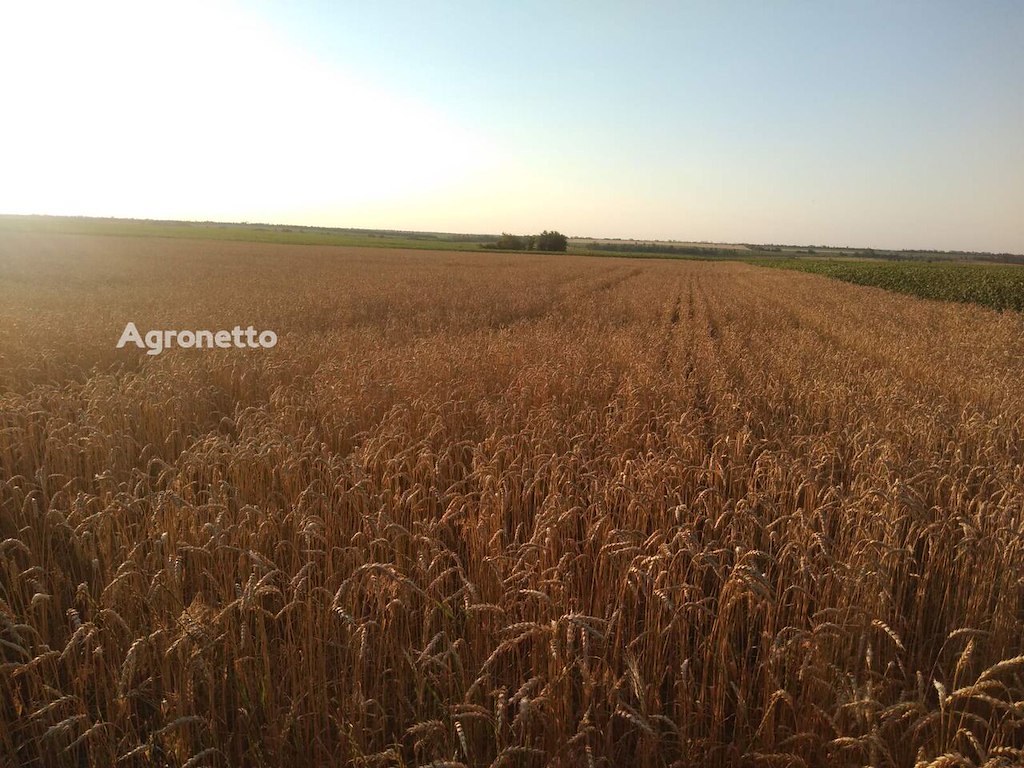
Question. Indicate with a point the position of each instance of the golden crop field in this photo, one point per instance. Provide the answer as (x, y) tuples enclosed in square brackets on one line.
[(502, 510)]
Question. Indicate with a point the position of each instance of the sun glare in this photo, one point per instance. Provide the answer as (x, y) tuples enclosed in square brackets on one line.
[(204, 113)]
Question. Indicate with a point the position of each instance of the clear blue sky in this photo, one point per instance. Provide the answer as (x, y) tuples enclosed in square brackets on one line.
[(884, 124)]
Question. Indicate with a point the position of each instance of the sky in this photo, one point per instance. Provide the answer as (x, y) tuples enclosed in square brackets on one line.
[(867, 123)]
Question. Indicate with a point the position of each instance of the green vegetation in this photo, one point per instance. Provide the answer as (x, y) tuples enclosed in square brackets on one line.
[(280, 233), (667, 249), (999, 286), (258, 233)]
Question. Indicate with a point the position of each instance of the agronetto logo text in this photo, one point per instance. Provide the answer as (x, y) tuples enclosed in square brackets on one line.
[(155, 342)]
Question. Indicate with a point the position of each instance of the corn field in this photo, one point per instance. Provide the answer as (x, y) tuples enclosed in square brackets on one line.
[(502, 510)]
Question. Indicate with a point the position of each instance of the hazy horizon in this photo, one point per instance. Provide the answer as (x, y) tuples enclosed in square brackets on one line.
[(842, 124)]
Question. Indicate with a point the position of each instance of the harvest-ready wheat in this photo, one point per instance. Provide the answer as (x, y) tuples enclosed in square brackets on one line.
[(502, 509)]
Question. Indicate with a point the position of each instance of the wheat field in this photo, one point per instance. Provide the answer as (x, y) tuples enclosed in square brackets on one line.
[(502, 510)]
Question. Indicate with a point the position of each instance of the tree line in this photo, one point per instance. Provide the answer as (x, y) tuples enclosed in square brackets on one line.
[(545, 241)]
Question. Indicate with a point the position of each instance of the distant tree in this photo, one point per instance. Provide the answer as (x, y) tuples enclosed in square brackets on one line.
[(509, 242), (552, 241)]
